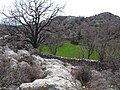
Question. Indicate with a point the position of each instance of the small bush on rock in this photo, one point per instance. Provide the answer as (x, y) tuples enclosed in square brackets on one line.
[(82, 73), (15, 72)]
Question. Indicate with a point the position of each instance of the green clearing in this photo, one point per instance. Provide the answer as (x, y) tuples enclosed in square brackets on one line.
[(70, 51)]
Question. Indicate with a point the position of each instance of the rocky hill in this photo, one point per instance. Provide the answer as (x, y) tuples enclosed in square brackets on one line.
[(26, 71), (100, 26), (67, 27), (23, 71), (70, 24)]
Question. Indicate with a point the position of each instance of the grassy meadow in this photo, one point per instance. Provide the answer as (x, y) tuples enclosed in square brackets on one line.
[(70, 51)]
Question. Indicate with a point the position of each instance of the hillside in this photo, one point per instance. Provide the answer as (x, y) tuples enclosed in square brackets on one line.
[(71, 24), (25, 68), (99, 31)]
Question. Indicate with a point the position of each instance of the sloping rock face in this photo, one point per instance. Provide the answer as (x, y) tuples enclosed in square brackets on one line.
[(18, 68), (59, 78), (23, 71)]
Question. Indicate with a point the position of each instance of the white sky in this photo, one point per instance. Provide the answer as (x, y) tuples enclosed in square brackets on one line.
[(91, 7), (82, 7)]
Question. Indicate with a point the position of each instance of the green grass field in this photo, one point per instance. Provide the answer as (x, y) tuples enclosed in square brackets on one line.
[(70, 51)]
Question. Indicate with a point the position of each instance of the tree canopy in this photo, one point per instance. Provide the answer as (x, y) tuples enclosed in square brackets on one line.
[(33, 17)]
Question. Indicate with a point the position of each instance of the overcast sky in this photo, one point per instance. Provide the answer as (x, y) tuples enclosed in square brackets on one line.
[(82, 7)]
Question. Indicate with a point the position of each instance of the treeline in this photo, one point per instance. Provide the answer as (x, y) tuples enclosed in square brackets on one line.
[(99, 34)]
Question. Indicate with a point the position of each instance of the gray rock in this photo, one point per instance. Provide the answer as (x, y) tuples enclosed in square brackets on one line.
[(59, 78), (23, 53), (36, 73)]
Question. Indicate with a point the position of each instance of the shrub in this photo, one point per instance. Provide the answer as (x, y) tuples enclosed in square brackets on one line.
[(82, 73), (74, 42), (15, 73)]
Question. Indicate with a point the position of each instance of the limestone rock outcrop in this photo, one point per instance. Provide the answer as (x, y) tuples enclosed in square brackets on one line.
[(31, 72)]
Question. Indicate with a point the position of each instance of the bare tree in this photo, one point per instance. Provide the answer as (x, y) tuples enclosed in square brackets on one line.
[(34, 16), (99, 35), (54, 42), (86, 39), (56, 38), (107, 34)]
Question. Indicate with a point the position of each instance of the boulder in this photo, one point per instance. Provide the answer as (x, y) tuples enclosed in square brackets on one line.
[(13, 64), (10, 53), (23, 53), (36, 85)]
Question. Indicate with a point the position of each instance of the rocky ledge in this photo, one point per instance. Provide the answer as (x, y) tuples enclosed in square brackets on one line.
[(24, 71)]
